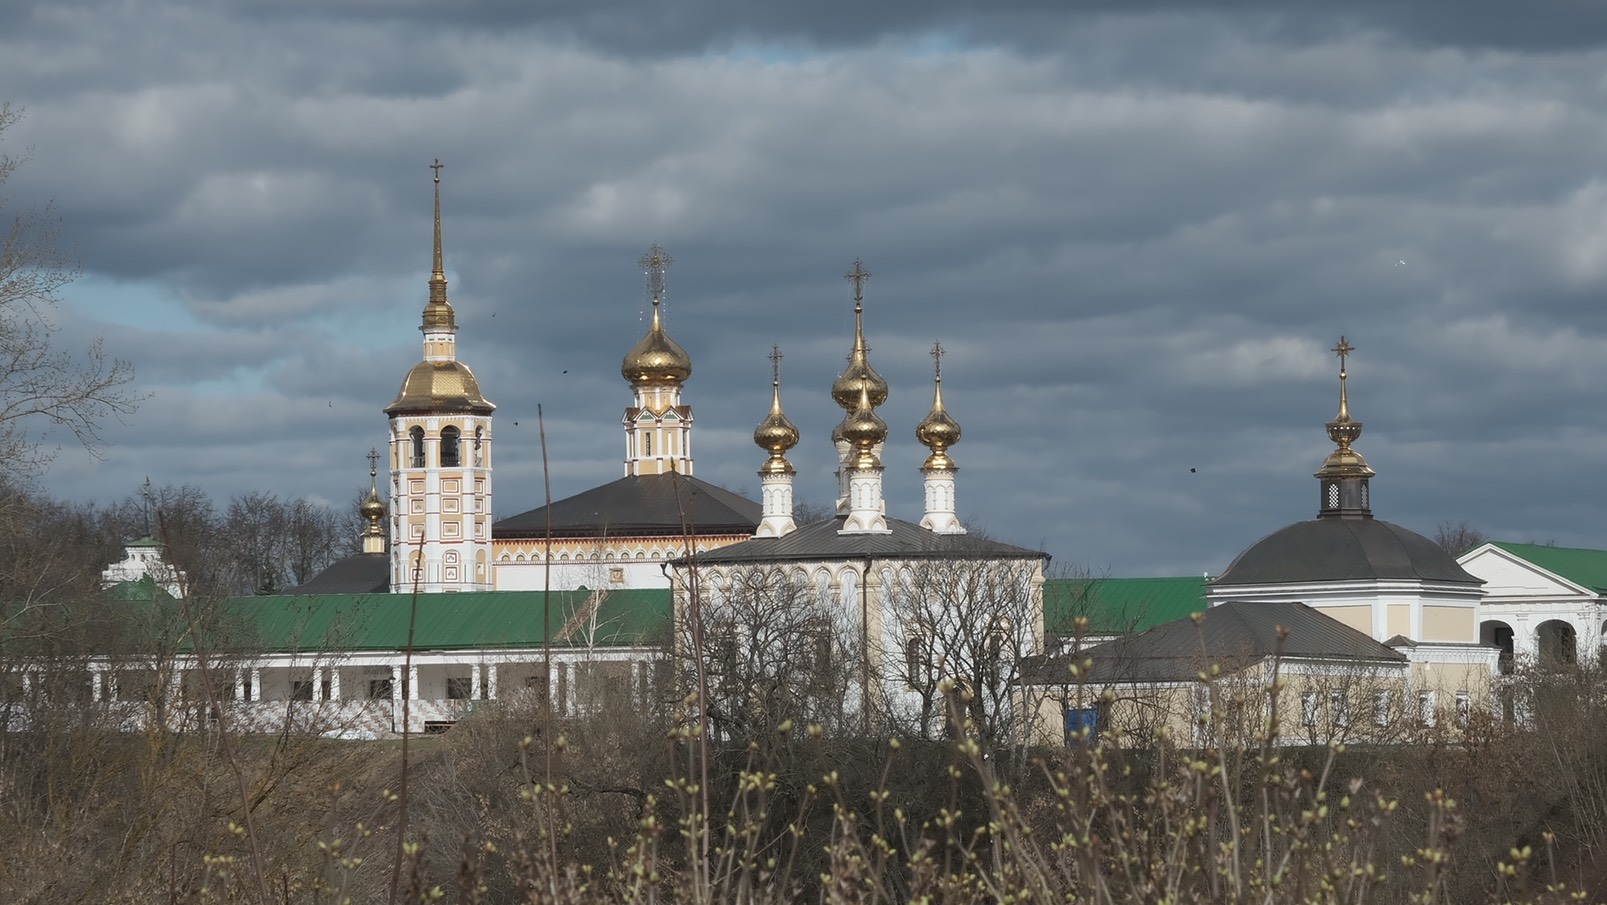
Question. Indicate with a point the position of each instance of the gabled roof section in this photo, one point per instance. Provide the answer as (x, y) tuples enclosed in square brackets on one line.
[(640, 506), (1117, 606), (1587, 568), (485, 619), (1235, 635), (904, 540)]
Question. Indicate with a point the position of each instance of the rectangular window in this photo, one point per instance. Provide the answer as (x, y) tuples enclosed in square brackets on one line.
[(300, 691), (1426, 708), (1339, 708), (379, 689), (1464, 708), (1381, 709), (459, 688), (1308, 710)]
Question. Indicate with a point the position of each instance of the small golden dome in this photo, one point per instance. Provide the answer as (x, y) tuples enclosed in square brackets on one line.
[(657, 358), (440, 386), (776, 434), (371, 508), (865, 429), (938, 431)]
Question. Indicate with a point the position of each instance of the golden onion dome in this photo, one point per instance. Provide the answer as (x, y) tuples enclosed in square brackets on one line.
[(440, 386), (938, 431), (859, 377), (776, 434), (865, 429), (371, 508), (657, 358)]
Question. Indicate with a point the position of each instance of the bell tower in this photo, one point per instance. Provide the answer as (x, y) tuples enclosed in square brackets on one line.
[(440, 440)]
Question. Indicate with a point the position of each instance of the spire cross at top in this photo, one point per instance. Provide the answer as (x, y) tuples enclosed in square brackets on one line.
[(775, 364), (373, 461), (654, 263), (436, 166), (937, 359), (1342, 349), (145, 492), (858, 276)]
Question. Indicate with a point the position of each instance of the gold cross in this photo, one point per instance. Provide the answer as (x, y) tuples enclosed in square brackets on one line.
[(1343, 349), (436, 166), (775, 364), (937, 356), (858, 276), (655, 262), (373, 461)]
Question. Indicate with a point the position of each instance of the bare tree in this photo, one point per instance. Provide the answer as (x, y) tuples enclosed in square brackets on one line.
[(1459, 537), (41, 386), (955, 634), (777, 652)]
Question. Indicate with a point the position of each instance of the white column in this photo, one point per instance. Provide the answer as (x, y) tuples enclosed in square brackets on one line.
[(241, 692), (474, 681), (940, 517), (94, 685), (412, 683), (775, 490), (27, 683), (866, 510), (491, 681), (396, 685), (334, 683)]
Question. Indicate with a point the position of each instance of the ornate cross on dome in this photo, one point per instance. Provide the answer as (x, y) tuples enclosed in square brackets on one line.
[(775, 364), (937, 358), (858, 276), (654, 263), (1343, 349), (436, 166), (373, 461)]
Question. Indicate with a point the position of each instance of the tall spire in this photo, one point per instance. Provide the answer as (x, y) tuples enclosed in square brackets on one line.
[(776, 434), (438, 315), (1344, 474), (859, 374), (372, 510), (937, 432)]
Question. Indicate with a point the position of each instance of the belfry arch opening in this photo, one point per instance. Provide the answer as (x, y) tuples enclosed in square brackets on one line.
[(451, 447)]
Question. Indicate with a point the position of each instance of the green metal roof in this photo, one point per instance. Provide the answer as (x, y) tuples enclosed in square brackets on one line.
[(491, 619), (1584, 567), (1116, 606)]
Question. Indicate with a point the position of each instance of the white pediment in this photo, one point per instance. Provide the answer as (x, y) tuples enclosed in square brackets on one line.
[(1509, 576)]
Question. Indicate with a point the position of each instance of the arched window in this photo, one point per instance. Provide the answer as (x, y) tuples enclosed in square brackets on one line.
[(451, 443), (647, 444), (479, 446), (417, 434)]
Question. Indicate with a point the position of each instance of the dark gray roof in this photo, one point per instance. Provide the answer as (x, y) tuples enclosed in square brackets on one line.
[(905, 540), (1235, 635), (1343, 549), (365, 573), (637, 506)]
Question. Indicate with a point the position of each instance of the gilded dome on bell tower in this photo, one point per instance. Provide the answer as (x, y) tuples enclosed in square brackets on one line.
[(938, 431)]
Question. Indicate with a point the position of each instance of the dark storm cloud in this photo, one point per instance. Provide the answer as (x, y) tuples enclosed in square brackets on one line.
[(1137, 229)]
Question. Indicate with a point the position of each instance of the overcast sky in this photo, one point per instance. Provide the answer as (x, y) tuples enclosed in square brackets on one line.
[(1137, 228)]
